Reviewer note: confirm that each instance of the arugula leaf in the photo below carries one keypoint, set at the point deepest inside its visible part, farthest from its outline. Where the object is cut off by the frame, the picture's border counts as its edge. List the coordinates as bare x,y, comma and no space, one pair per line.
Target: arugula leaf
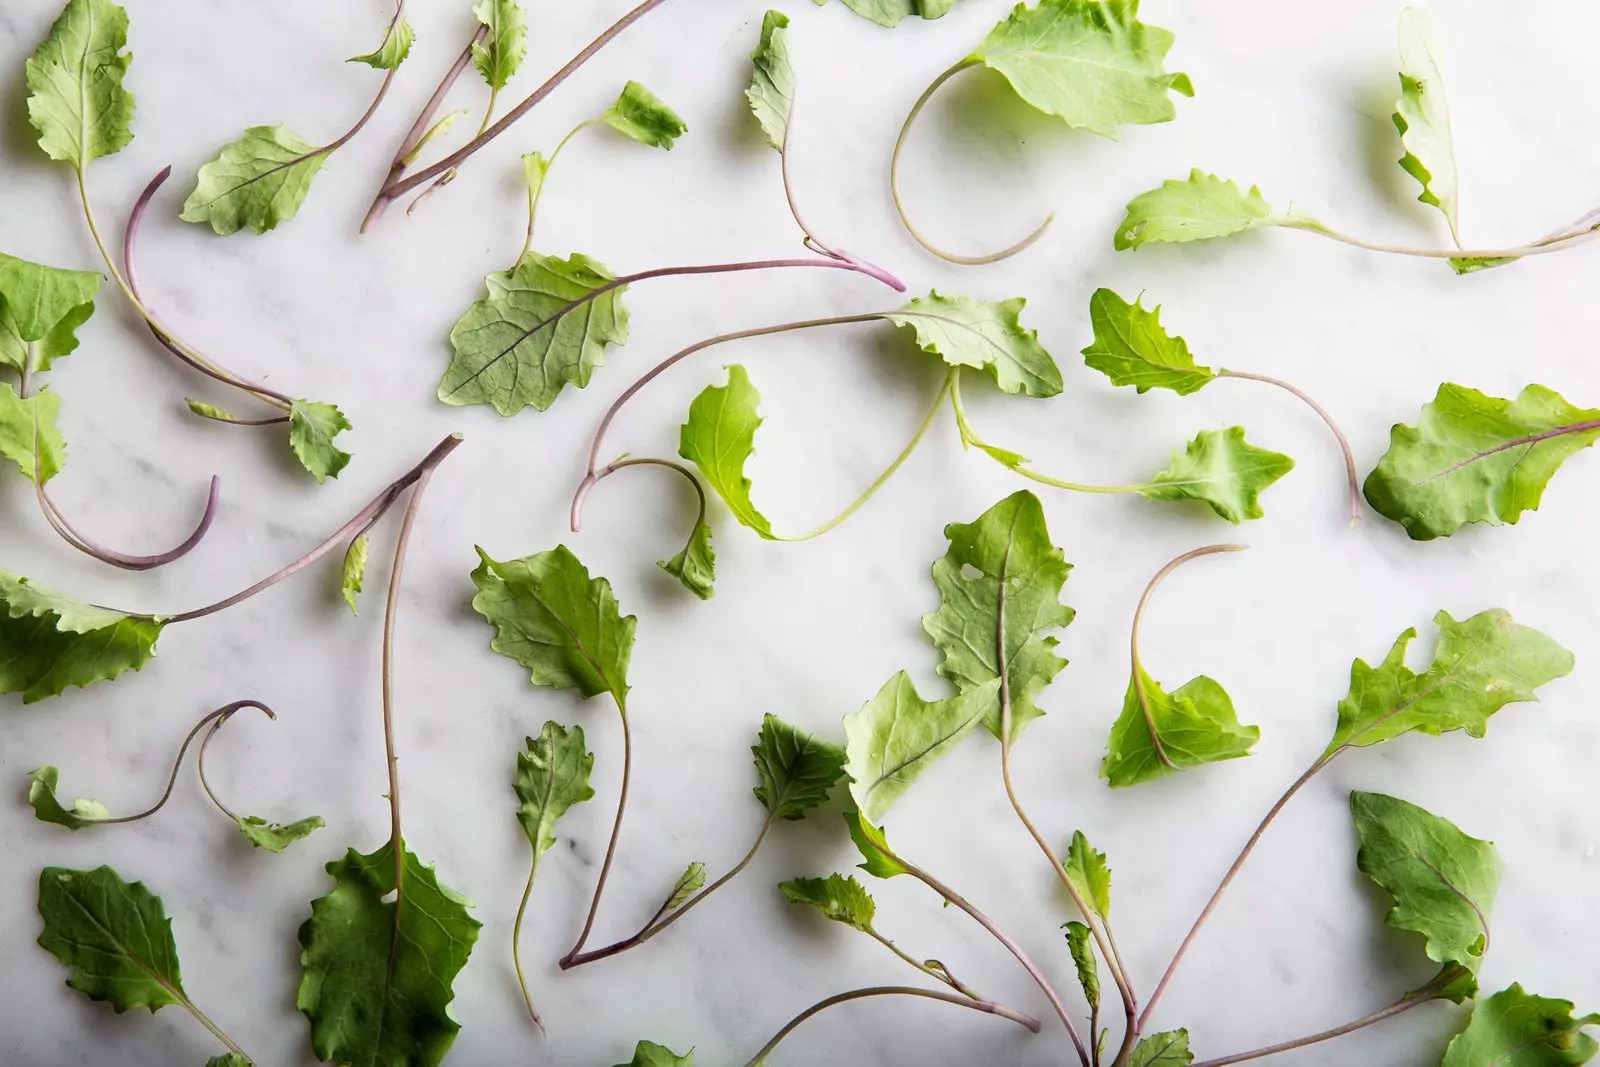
897,736
48,642
1086,869
113,936
75,96
696,565
719,438
36,300
1422,116
275,837
1442,881
46,808
644,116
373,997
258,181
1196,209
1131,347
1482,664
689,883
394,49
873,845
650,1054
29,436
1078,938
1196,724
556,621
797,770
508,351
1170,1049
354,571
1094,65
1222,469
967,333
552,777
771,92
1476,458
312,428
500,53
1007,544
840,898
1514,1028
891,12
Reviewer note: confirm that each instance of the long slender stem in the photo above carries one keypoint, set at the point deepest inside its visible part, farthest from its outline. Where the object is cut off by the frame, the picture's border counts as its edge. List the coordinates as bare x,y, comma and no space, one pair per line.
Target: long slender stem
899,202
987,1007
218,718
938,974
535,196
611,846
1351,475
1550,244
216,1031
516,943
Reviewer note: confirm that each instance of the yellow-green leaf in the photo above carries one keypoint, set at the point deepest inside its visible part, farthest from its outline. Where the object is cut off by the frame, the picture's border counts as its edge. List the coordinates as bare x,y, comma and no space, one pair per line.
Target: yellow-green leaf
75,96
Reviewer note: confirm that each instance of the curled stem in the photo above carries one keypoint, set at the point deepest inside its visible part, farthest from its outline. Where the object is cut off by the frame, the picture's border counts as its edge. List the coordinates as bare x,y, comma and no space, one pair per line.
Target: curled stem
217,719
899,202
1351,475
568,961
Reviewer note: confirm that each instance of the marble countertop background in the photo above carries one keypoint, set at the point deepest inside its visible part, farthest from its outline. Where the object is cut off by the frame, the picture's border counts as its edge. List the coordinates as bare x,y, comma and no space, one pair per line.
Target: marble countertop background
1293,97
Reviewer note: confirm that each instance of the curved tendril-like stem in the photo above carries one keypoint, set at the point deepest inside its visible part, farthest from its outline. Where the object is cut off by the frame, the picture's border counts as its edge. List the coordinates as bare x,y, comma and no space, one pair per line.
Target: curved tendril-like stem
1133,642
566,962
536,196
1554,243
988,1007
219,717
1352,476
899,201
938,973
642,461
377,99
450,175
78,540
516,945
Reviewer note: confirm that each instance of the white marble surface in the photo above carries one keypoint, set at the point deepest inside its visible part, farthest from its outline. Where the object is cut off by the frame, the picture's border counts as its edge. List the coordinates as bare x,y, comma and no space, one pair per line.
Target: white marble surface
1293,97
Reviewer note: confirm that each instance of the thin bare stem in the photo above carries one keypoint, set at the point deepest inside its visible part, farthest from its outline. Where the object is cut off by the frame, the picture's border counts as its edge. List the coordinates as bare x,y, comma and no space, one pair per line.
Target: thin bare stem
535,196
390,613
899,202
988,1007
516,943
218,718
83,543
1554,243
936,973
1351,475
611,846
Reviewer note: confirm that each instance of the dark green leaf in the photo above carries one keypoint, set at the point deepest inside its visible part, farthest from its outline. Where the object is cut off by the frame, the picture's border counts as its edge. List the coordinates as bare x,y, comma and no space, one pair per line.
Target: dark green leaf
48,642
840,898
113,936
552,776
797,770
275,837
1514,1028
1170,1049
1080,944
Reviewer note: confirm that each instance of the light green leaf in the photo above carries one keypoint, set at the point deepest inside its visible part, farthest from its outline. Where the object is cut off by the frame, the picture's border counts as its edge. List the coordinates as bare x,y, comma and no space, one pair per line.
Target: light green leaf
897,736
36,300
890,12
689,883
1222,469
48,642
500,53
556,621
394,49
517,348
275,837
372,997
1481,665
535,168
210,411
797,770
312,428
1442,881
1131,347
696,565
873,845
60,340
650,1054
1514,1028
1473,264
1170,1049
1082,950
1008,545
113,936
1197,209
967,333
354,571
1422,115
1086,869
29,436
258,181
1196,724
438,129
229,1059
719,438
552,777
771,92
75,96
1476,458
644,116
46,808
1094,65
842,899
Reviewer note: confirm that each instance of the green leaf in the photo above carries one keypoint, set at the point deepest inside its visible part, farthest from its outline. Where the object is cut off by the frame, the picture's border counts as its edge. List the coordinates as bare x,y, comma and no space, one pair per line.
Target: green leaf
438,129
1197,209
1422,116
114,938
771,92
210,411
1132,348
1473,264
890,12
967,333
897,736
46,808
1086,869
1222,469
1476,458
797,770
689,883
1094,65
36,300
516,348
60,340
719,438
500,53
1170,1049
312,428
275,837
535,168
650,1054
394,49
258,181
552,777
1442,881
1009,544
354,571
556,621
75,96
1196,724
1481,665
374,998
696,565
48,642
840,898
229,1059
1514,1028
1079,945
644,116
873,845
29,436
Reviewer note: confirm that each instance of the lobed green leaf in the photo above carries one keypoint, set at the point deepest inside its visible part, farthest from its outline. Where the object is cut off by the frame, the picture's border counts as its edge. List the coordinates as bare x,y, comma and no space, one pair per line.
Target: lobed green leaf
1087,871
897,736
1514,1028
696,566
840,898
394,49
1195,723
967,333
48,642
258,181
552,776
312,428
645,117
500,53
650,1054
719,438
113,936
275,837
1422,115
1199,208
29,434
1131,347
797,771
1222,470
771,92
891,12
75,96
47,808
